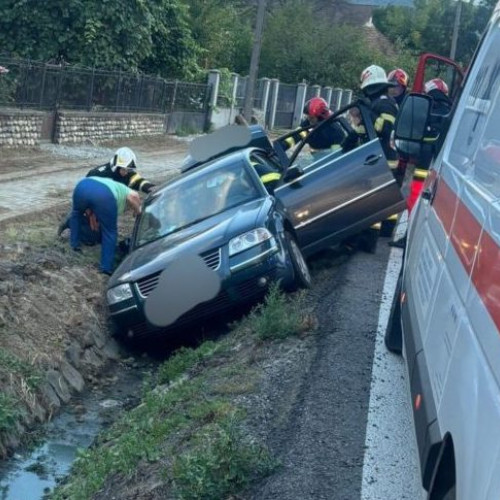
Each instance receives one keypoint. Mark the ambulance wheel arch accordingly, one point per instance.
(443, 482)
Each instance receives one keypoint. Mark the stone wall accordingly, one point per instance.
(20, 128)
(81, 126)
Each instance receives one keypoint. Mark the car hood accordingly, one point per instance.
(208, 234)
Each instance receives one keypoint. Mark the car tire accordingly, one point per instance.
(394, 334)
(368, 239)
(301, 274)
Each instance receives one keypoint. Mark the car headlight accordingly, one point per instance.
(119, 293)
(248, 240)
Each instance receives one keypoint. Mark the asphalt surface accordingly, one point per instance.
(344, 441)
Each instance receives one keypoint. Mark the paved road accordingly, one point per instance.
(37, 186)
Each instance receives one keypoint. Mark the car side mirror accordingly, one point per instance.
(413, 118)
(411, 124)
(293, 173)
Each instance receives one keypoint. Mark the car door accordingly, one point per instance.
(343, 192)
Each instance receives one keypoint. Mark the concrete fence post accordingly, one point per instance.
(299, 104)
(316, 90)
(328, 96)
(213, 82)
(336, 99)
(346, 97)
(234, 94)
(275, 87)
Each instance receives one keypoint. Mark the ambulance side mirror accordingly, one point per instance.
(411, 124)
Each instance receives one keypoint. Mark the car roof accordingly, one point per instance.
(220, 162)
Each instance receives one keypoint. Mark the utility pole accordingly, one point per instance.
(254, 62)
(456, 26)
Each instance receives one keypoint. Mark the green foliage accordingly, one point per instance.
(277, 317)
(130, 35)
(429, 28)
(10, 413)
(300, 46)
(223, 32)
(185, 359)
(14, 367)
(219, 463)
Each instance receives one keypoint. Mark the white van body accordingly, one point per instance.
(450, 294)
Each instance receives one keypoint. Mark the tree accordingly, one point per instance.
(427, 26)
(131, 35)
(300, 45)
(223, 31)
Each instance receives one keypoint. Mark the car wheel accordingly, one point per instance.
(368, 240)
(394, 334)
(302, 276)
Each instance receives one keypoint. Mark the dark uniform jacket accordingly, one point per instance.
(132, 179)
(326, 136)
(384, 111)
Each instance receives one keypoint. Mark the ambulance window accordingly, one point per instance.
(475, 150)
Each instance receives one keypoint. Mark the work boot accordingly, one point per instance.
(401, 243)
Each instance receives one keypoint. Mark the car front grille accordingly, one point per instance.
(242, 293)
(146, 285)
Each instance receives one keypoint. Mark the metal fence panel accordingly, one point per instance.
(48, 86)
(287, 94)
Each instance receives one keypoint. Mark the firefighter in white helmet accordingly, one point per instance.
(122, 168)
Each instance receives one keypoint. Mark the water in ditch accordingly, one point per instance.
(32, 474)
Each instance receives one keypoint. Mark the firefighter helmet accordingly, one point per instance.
(123, 158)
(317, 107)
(399, 76)
(373, 75)
(436, 84)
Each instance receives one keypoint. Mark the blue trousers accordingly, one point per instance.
(92, 194)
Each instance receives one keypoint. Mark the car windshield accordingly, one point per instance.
(193, 199)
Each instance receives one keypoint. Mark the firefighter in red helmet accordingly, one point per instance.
(399, 77)
(329, 137)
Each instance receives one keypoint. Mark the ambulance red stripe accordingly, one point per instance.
(466, 238)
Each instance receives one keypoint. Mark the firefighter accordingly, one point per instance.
(121, 168)
(437, 89)
(102, 199)
(375, 87)
(400, 79)
(329, 137)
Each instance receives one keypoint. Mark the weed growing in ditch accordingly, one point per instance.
(277, 317)
(219, 463)
(184, 359)
(10, 412)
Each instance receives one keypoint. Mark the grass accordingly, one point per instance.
(277, 317)
(220, 463)
(17, 368)
(10, 412)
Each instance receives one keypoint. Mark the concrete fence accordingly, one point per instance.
(275, 105)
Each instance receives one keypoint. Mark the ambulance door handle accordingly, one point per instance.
(372, 159)
(427, 194)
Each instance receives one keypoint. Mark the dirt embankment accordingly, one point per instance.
(53, 335)
(54, 340)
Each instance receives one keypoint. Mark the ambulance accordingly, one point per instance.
(445, 318)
